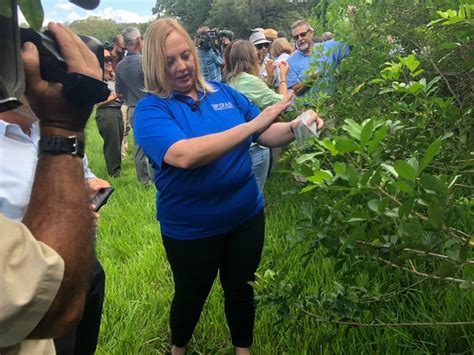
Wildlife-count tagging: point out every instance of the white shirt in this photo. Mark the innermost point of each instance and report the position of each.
(18, 159)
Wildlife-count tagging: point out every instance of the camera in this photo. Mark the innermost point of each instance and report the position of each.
(212, 39)
(53, 67)
(12, 80)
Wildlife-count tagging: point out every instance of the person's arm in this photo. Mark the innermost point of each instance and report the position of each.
(200, 151)
(110, 99)
(283, 68)
(118, 84)
(281, 133)
(301, 87)
(256, 90)
(59, 213)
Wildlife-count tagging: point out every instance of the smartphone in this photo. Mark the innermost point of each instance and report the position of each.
(101, 197)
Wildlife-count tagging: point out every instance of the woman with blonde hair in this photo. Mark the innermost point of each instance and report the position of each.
(210, 210)
(280, 51)
(243, 76)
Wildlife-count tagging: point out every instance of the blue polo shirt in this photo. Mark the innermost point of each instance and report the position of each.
(324, 57)
(208, 200)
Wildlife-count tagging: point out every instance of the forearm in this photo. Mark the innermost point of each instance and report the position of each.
(60, 216)
(200, 151)
(277, 135)
(283, 88)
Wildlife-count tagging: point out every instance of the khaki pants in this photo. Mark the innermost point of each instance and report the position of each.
(126, 130)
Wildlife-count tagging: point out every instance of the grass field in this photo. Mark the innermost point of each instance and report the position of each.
(139, 286)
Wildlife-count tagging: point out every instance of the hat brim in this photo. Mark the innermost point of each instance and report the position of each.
(260, 41)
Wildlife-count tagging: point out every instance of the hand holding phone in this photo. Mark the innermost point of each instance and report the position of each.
(101, 197)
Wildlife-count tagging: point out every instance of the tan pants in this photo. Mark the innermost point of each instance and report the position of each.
(126, 130)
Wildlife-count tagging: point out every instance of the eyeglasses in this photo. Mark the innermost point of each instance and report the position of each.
(301, 35)
(261, 45)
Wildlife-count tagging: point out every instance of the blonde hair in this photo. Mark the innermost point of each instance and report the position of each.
(243, 58)
(280, 46)
(154, 58)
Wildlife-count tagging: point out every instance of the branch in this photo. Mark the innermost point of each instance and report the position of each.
(416, 251)
(452, 231)
(403, 324)
(419, 273)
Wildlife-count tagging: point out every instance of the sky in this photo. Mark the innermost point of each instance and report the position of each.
(118, 10)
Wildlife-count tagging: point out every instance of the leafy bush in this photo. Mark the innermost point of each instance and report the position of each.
(393, 181)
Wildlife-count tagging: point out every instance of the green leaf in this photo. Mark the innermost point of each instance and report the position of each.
(414, 163)
(353, 128)
(308, 188)
(357, 234)
(433, 185)
(33, 12)
(352, 175)
(405, 170)
(390, 169)
(326, 143)
(374, 205)
(345, 145)
(378, 136)
(435, 214)
(366, 133)
(339, 168)
(320, 176)
(305, 157)
(432, 150)
(405, 209)
(405, 186)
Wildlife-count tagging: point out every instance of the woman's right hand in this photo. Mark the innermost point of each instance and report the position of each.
(268, 116)
(284, 67)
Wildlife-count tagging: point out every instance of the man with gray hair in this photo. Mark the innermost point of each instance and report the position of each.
(129, 84)
(313, 65)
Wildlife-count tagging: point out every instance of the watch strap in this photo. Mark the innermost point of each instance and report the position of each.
(61, 145)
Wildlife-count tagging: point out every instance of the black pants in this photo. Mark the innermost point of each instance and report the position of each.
(195, 263)
(83, 339)
(110, 124)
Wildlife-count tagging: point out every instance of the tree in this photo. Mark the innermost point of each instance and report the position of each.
(191, 13)
(102, 29)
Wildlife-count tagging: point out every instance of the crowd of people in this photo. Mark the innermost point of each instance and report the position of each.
(204, 120)
(262, 68)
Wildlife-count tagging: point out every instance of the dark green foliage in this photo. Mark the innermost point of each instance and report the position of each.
(393, 180)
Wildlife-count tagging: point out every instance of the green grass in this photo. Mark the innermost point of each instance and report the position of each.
(140, 286)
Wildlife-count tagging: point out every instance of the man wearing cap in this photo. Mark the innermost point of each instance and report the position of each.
(321, 58)
(270, 34)
(257, 38)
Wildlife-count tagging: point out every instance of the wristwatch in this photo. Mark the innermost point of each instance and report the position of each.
(61, 145)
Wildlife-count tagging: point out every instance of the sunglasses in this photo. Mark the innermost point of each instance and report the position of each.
(108, 60)
(301, 35)
(261, 45)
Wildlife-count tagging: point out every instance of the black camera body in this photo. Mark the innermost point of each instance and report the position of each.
(212, 39)
(53, 67)
(12, 79)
